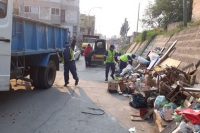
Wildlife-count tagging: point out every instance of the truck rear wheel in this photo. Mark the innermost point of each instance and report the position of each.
(34, 76)
(47, 75)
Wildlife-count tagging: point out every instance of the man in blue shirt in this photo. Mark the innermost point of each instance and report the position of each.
(69, 63)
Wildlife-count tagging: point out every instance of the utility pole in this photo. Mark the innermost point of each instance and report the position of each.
(138, 17)
(185, 13)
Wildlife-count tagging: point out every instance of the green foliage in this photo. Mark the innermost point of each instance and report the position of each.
(194, 24)
(164, 12)
(151, 34)
(124, 28)
(138, 38)
(144, 36)
(147, 35)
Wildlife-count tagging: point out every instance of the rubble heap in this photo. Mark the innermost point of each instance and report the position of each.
(164, 93)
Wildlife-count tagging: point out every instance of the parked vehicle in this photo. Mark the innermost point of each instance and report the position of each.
(77, 53)
(29, 47)
(99, 50)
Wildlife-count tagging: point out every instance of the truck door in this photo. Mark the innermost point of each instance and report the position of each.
(6, 16)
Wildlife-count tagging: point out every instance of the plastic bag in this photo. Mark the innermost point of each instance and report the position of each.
(191, 115)
(169, 106)
(183, 128)
(160, 102)
(128, 68)
(138, 101)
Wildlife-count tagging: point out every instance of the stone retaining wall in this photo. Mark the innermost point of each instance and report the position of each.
(196, 10)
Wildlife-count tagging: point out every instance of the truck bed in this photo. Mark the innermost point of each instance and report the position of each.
(35, 37)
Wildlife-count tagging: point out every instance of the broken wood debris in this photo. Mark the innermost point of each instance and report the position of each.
(163, 86)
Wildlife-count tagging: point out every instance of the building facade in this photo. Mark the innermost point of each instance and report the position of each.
(87, 24)
(72, 13)
(196, 10)
(58, 12)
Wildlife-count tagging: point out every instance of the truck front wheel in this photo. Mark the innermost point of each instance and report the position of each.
(47, 75)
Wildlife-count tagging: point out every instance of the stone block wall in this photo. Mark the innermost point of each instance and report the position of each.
(187, 49)
(196, 10)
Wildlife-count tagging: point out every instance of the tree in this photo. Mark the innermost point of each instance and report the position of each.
(124, 29)
(164, 12)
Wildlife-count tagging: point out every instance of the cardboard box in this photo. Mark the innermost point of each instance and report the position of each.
(113, 86)
(122, 86)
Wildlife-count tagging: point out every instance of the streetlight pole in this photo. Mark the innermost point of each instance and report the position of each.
(138, 17)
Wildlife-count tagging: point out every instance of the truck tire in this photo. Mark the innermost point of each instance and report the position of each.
(47, 75)
(34, 72)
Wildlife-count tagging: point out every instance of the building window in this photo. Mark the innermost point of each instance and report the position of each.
(75, 29)
(82, 29)
(34, 10)
(27, 8)
(55, 11)
(62, 16)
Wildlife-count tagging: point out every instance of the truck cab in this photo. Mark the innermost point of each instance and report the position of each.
(88, 39)
(6, 7)
(29, 49)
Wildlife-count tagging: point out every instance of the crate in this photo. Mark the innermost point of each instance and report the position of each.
(113, 87)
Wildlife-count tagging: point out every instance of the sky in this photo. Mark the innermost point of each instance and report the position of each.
(110, 14)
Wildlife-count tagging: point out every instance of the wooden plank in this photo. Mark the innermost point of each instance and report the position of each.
(152, 63)
(169, 62)
(131, 48)
(166, 53)
(192, 89)
(159, 121)
(135, 48)
(170, 128)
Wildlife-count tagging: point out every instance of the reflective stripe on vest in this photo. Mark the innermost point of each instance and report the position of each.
(111, 57)
(124, 57)
(72, 55)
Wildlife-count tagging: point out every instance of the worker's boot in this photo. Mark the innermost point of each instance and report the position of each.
(66, 84)
(112, 76)
(76, 82)
(106, 79)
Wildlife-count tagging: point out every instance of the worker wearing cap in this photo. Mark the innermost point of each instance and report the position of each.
(110, 58)
(125, 59)
(69, 63)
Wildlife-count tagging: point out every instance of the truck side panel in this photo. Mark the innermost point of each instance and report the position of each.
(36, 47)
(33, 37)
(41, 60)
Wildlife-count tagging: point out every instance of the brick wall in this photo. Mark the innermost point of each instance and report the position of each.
(196, 10)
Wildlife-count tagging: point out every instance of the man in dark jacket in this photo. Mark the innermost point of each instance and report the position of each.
(69, 63)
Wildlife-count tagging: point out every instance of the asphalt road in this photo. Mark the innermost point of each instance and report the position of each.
(59, 109)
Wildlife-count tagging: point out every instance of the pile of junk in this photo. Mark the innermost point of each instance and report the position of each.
(162, 92)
